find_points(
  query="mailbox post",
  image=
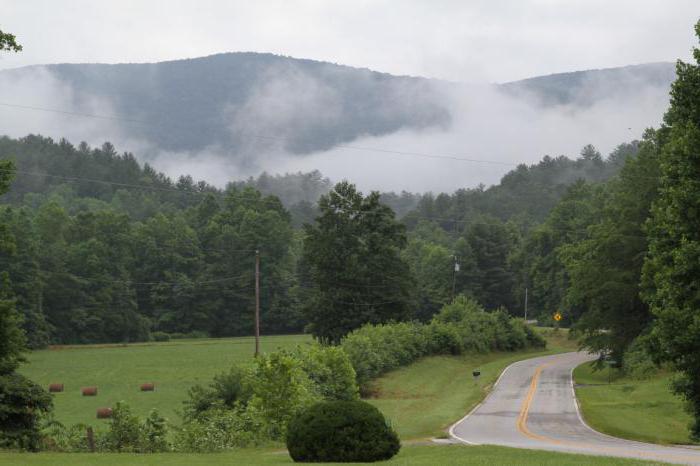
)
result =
(476, 373)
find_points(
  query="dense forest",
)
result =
(106, 249)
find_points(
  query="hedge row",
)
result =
(461, 327)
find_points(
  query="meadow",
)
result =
(420, 400)
(644, 410)
(119, 370)
(409, 455)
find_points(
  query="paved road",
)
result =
(533, 406)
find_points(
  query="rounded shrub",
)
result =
(341, 431)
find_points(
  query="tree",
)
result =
(21, 401)
(8, 42)
(605, 268)
(353, 257)
(491, 242)
(672, 269)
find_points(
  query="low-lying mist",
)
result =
(487, 124)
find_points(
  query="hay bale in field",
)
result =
(55, 387)
(148, 387)
(89, 391)
(104, 413)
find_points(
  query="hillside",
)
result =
(244, 105)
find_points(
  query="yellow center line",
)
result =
(521, 425)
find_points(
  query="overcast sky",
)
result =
(468, 40)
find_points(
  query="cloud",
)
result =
(490, 126)
(486, 124)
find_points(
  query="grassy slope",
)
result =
(118, 371)
(643, 410)
(409, 455)
(423, 399)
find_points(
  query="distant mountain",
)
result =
(584, 88)
(247, 104)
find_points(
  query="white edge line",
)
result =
(452, 427)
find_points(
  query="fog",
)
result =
(496, 130)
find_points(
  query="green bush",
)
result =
(280, 389)
(124, 430)
(220, 430)
(22, 404)
(160, 336)
(330, 370)
(341, 431)
(637, 363)
(224, 391)
(460, 327)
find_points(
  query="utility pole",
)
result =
(526, 303)
(454, 278)
(257, 303)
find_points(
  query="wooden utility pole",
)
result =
(257, 303)
(526, 303)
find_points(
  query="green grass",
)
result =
(643, 410)
(409, 455)
(425, 398)
(119, 370)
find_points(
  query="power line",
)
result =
(270, 138)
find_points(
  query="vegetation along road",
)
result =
(533, 406)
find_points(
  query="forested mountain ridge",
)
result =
(107, 249)
(584, 88)
(243, 104)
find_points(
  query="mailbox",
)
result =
(476, 373)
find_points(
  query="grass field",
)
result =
(118, 371)
(643, 410)
(409, 455)
(420, 400)
(425, 398)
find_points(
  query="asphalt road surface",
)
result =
(533, 405)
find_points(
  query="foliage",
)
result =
(160, 336)
(22, 404)
(353, 257)
(124, 430)
(97, 262)
(341, 431)
(638, 363)
(330, 370)
(462, 326)
(221, 429)
(605, 267)
(8, 42)
(126, 433)
(280, 389)
(673, 265)
(224, 392)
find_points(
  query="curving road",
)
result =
(532, 405)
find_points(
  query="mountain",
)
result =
(247, 102)
(585, 88)
(243, 105)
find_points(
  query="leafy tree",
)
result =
(604, 269)
(354, 261)
(8, 42)
(22, 402)
(491, 243)
(672, 269)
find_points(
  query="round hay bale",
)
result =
(89, 391)
(55, 387)
(148, 387)
(104, 413)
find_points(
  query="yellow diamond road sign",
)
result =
(557, 316)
